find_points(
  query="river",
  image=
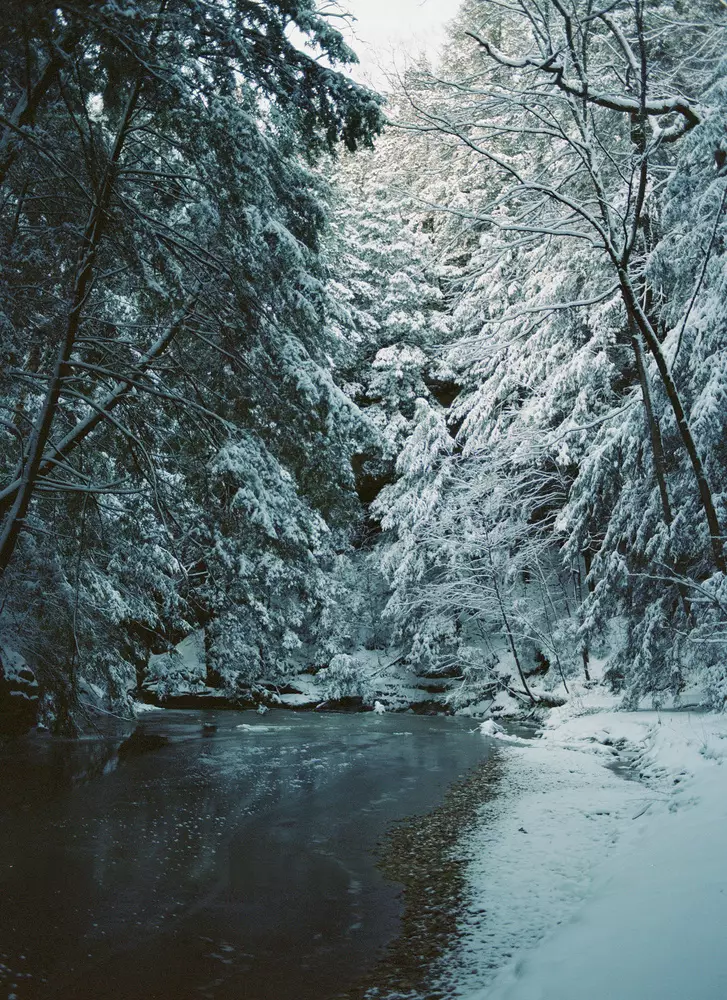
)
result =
(229, 863)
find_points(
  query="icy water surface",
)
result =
(229, 863)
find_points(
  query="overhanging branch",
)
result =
(554, 68)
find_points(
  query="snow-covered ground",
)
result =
(589, 883)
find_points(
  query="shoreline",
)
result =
(416, 854)
(600, 870)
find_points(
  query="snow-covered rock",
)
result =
(490, 728)
(180, 672)
(18, 693)
(142, 708)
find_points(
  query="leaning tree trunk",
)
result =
(26, 107)
(93, 235)
(705, 491)
(508, 633)
(101, 409)
(657, 446)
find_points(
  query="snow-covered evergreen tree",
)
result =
(163, 304)
(584, 344)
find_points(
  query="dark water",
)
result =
(237, 864)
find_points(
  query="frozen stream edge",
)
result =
(586, 884)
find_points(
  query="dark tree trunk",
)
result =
(705, 492)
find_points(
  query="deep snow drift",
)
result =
(587, 885)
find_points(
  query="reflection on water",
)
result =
(228, 863)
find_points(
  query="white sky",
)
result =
(387, 31)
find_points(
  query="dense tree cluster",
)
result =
(465, 402)
(174, 450)
(567, 164)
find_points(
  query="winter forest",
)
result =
(439, 376)
(382, 410)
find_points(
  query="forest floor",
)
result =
(599, 870)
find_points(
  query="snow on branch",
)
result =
(652, 107)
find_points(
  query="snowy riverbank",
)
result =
(586, 884)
